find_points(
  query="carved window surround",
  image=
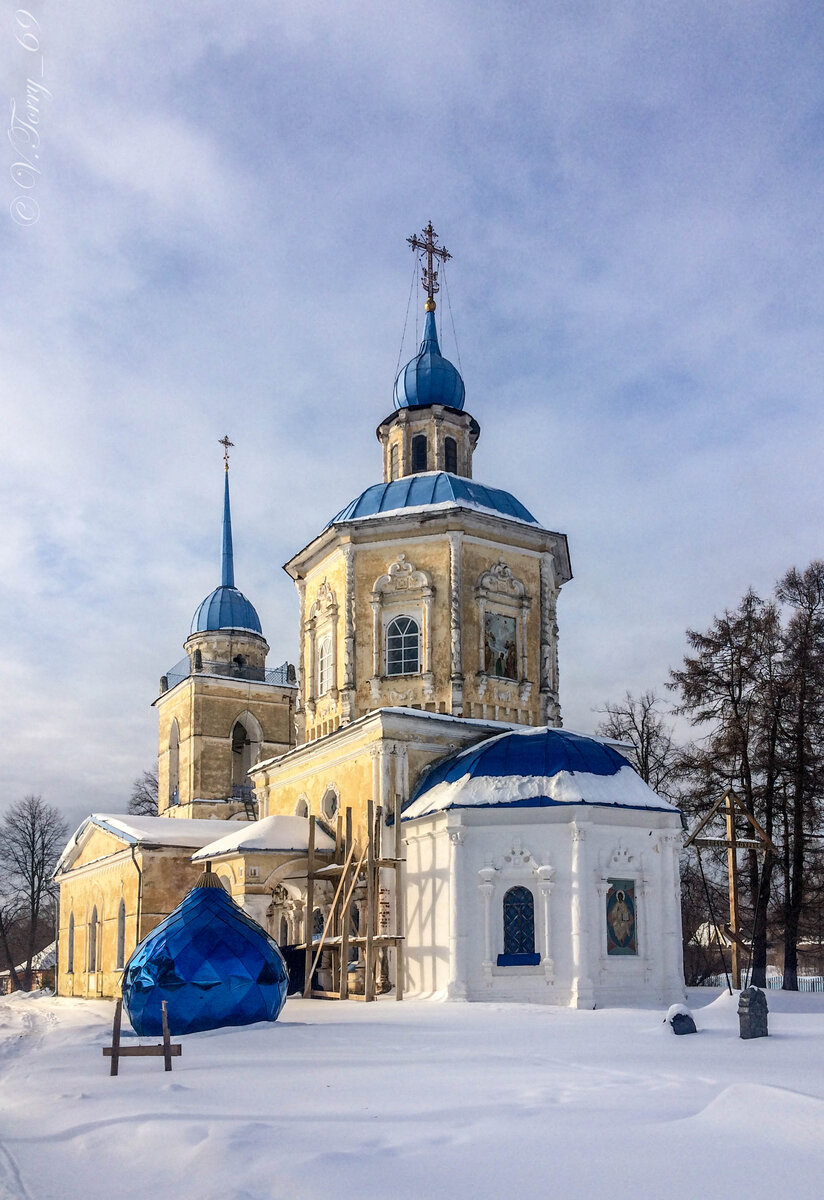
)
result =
(322, 619)
(499, 591)
(403, 590)
(517, 866)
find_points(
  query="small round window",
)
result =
(329, 804)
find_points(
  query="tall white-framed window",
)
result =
(393, 462)
(402, 643)
(403, 646)
(93, 927)
(70, 951)
(324, 664)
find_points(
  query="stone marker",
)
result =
(752, 1013)
(680, 1019)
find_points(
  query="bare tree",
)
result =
(639, 721)
(143, 800)
(32, 835)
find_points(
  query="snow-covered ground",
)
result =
(417, 1100)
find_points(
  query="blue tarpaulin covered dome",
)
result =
(211, 962)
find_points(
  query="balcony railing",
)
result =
(284, 675)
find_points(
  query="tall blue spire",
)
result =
(227, 571)
(226, 607)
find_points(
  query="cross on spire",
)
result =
(429, 276)
(225, 443)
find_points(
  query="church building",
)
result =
(534, 863)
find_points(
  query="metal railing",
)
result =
(806, 983)
(283, 676)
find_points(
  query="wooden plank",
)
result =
(167, 1043)
(325, 930)
(159, 1051)
(369, 953)
(399, 905)
(115, 1050)
(308, 920)
(343, 983)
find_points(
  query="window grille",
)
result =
(519, 921)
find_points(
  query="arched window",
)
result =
(329, 804)
(302, 807)
(519, 929)
(93, 924)
(174, 763)
(70, 947)
(241, 755)
(198, 663)
(317, 924)
(419, 452)
(121, 936)
(325, 665)
(393, 462)
(403, 647)
(450, 455)
(283, 932)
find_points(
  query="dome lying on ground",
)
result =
(533, 768)
(210, 962)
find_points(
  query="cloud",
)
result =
(631, 194)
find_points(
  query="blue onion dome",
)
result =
(225, 608)
(533, 768)
(210, 962)
(433, 490)
(429, 378)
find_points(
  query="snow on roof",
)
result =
(155, 831)
(625, 789)
(533, 768)
(277, 833)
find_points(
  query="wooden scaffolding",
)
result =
(355, 867)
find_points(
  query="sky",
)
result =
(632, 195)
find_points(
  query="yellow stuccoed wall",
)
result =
(206, 709)
(159, 879)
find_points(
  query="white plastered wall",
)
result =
(459, 865)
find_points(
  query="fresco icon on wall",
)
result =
(501, 654)
(621, 930)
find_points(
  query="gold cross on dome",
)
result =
(225, 443)
(429, 277)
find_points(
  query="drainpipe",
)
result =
(139, 895)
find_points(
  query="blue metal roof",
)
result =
(541, 755)
(429, 378)
(431, 488)
(226, 607)
(534, 752)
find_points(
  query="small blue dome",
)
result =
(210, 962)
(429, 378)
(533, 768)
(225, 608)
(432, 489)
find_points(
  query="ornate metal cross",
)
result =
(429, 277)
(225, 443)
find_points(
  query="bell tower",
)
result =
(220, 708)
(430, 590)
